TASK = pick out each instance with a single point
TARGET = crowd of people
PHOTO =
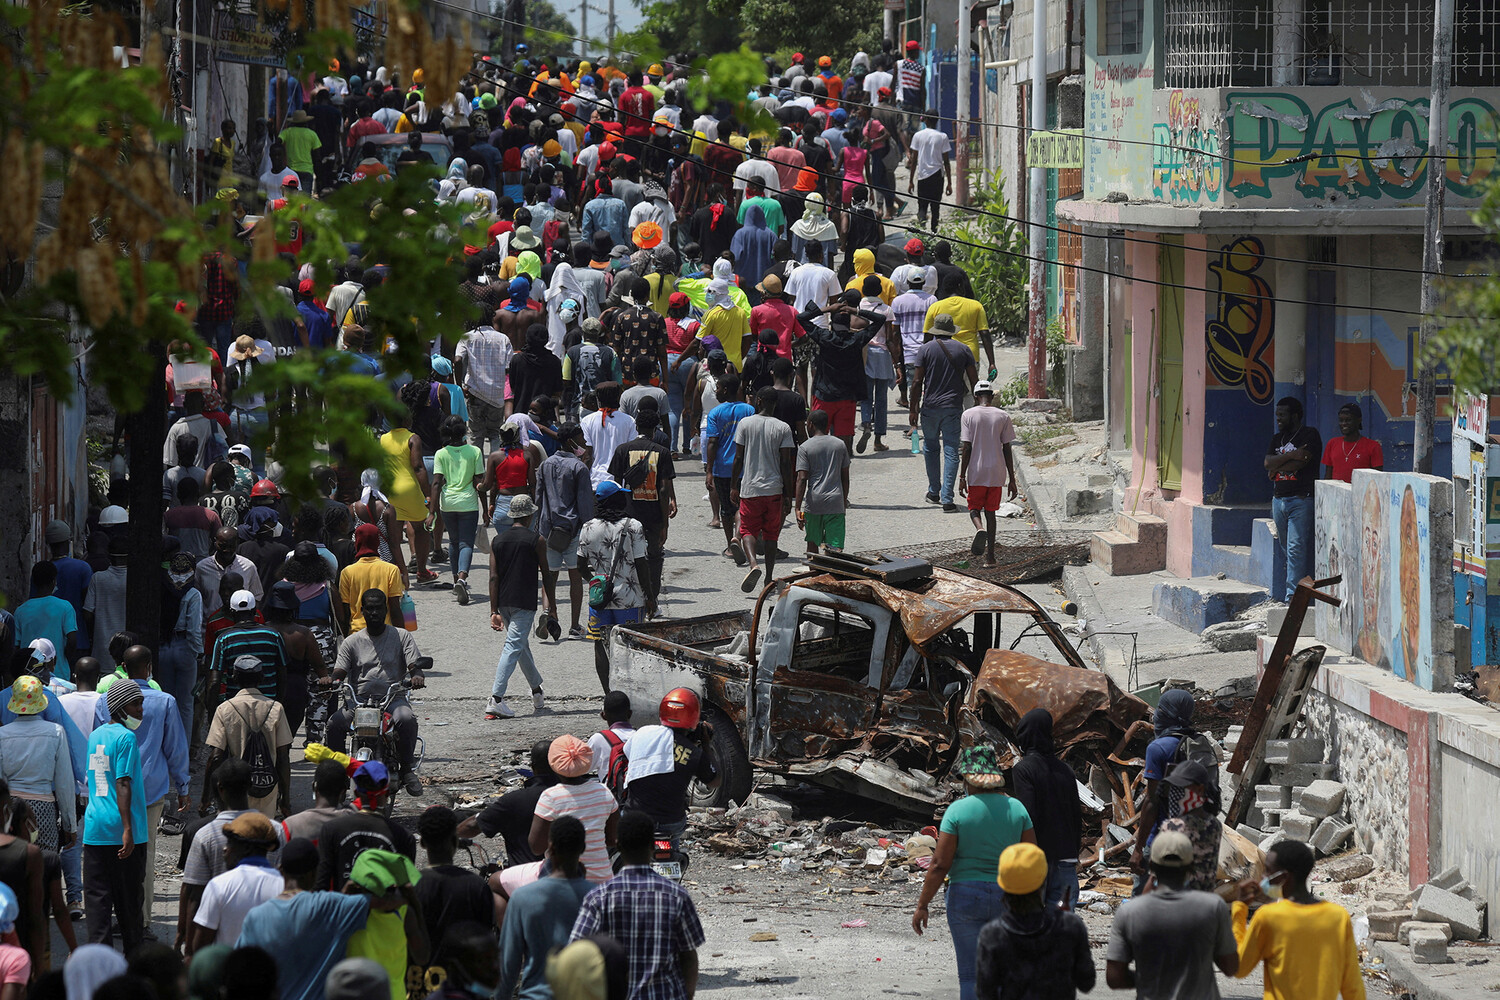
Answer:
(662, 286)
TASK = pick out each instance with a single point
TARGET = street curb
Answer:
(1412, 977)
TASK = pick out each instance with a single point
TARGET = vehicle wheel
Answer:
(729, 756)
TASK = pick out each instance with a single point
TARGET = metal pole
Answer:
(888, 26)
(583, 27)
(1432, 235)
(963, 109)
(1036, 354)
(611, 30)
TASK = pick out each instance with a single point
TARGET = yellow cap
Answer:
(416, 75)
(1023, 869)
(654, 69)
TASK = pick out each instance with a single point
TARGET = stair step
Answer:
(1142, 528)
(1117, 554)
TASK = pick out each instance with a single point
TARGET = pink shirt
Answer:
(986, 430)
(778, 315)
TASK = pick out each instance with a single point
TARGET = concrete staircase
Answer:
(1138, 544)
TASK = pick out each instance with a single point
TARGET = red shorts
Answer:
(840, 415)
(761, 517)
(985, 497)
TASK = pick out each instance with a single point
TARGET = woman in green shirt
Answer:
(457, 469)
(975, 830)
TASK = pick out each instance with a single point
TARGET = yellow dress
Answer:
(405, 494)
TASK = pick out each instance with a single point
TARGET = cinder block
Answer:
(1297, 825)
(1272, 839)
(1331, 834)
(1428, 948)
(1385, 925)
(1250, 833)
(1422, 925)
(1273, 796)
(1306, 750)
(1321, 798)
(1300, 775)
(1441, 906)
(1448, 878)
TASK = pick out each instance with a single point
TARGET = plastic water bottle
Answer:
(916, 441)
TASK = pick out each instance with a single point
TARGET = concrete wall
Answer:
(1379, 807)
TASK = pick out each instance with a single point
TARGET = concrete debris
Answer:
(1038, 405)
(1305, 750)
(1300, 775)
(1343, 869)
(1298, 825)
(1273, 797)
(1422, 925)
(1428, 947)
(1448, 878)
(1250, 833)
(1233, 636)
(1385, 925)
(1322, 798)
(1331, 835)
(1442, 906)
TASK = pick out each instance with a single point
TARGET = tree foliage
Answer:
(691, 28)
(1468, 349)
(831, 28)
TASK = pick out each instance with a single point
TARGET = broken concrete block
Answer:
(1077, 503)
(1463, 889)
(1331, 834)
(1272, 839)
(1250, 833)
(1428, 947)
(1447, 878)
(1346, 868)
(1299, 775)
(1422, 925)
(1298, 825)
(1442, 906)
(1273, 797)
(1321, 798)
(1233, 636)
(1385, 925)
(1306, 750)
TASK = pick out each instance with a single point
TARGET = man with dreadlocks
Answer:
(612, 557)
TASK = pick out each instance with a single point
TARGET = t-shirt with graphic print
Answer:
(612, 547)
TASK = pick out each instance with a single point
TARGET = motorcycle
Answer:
(666, 860)
(372, 732)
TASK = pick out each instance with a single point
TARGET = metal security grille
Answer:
(1358, 43)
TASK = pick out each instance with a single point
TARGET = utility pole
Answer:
(583, 27)
(611, 30)
(962, 107)
(1036, 353)
(1432, 235)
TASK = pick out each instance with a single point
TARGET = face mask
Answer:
(179, 579)
(131, 722)
(1271, 891)
(567, 315)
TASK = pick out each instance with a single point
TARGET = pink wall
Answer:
(1143, 404)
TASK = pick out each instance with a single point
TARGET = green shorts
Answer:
(826, 529)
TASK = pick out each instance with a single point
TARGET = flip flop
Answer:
(750, 580)
(977, 545)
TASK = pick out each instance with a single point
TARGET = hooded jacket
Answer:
(1047, 788)
(1042, 955)
(864, 265)
(752, 247)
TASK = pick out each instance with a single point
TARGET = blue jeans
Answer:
(72, 866)
(971, 905)
(500, 519)
(1061, 888)
(517, 651)
(462, 524)
(676, 395)
(941, 422)
(1294, 536)
(879, 392)
(177, 672)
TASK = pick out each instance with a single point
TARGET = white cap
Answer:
(42, 650)
(984, 385)
(242, 450)
(114, 514)
(242, 600)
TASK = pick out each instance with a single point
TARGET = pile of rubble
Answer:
(1442, 909)
(765, 829)
(1301, 801)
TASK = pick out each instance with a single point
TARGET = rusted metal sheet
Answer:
(1085, 704)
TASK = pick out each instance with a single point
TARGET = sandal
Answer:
(427, 577)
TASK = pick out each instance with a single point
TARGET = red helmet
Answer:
(679, 709)
(265, 488)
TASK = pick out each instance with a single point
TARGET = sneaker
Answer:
(538, 700)
(750, 580)
(577, 632)
(932, 498)
(977, 545)
(864, 439)
(438, 556)
(498, 710)
(554, 629)
(950, 508)
(461, 591)
(541, 627)
(170, 826)
(75, 911)
(412, 784)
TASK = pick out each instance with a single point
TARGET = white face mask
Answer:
(179, 579)
(567, 315)
(131, 722)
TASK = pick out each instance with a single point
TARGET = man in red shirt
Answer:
(776, 313)
(363, 126)
(637, 108)
(1342, 455)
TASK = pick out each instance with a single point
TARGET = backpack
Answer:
(261, 758)
(1200, 747)
(617, 765)
(215, 449)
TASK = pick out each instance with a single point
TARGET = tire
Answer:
(728, 753)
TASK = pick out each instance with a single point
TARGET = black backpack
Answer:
(260, 756)
(1196, 746)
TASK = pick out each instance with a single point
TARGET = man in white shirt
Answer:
(930, 164)
(708, 125)
(274, 182)
(477, 199)
(250, 880)
(812, 282)
(756, 168)
(616, 716)
(604, 430)
(900, 277)
(873, 84)
(480, 362)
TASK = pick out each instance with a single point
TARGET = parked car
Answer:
(390, 146)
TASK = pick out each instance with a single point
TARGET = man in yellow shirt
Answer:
(973, 324)
(1307, 943)
(725, 321)
(369, 572)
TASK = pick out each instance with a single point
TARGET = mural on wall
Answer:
(1366, 149)
(1240, 332)
(1185, 161)
(1380, 532)
(1117, 104)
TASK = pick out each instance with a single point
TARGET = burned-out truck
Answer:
(869, 678)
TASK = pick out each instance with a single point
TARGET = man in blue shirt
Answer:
(314, 317)
(47, 616)
(718, 457)
(607, 212)
(73, 575)
(540, 915)
(1172, 720)
(114, 822)
(163, 750)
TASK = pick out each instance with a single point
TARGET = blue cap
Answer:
(371, 775)
(587, 81)
(839, 115)
(609, 488)
(10, 909)
(441, 365)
